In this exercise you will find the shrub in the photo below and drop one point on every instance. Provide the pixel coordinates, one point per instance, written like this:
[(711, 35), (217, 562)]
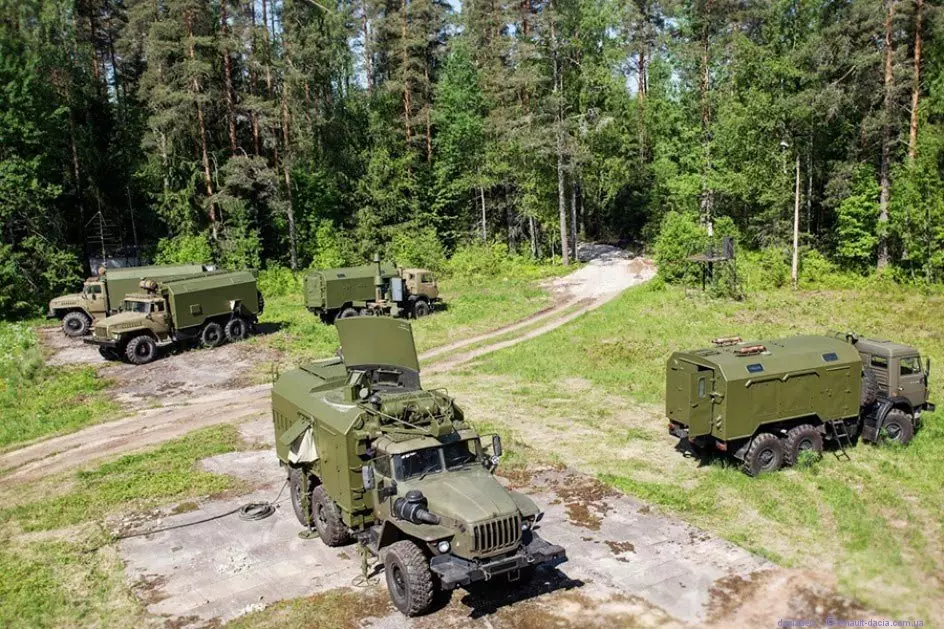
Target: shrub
[(330, 248), (680, 236), (417, 248), (278, 280), (184, 248)]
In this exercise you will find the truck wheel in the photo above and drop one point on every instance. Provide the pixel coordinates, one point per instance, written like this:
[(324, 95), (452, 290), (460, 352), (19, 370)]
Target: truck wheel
[(800, 438), (347, 312), (327, 518), (108, 353), (295, 486), (869, 391), (236, 329), (76, 324), (898, 427), (141, 350), (212, 334), (764, 455), (409, 579), (420, 308)]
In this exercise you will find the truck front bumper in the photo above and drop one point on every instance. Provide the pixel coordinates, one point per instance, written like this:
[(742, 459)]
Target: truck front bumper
[(678, 430), (929, 407), (454, 571), (101, 342)]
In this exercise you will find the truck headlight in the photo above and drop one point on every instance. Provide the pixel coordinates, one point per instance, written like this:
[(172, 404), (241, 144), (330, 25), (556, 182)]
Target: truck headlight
[(443, 547), (526, 525)]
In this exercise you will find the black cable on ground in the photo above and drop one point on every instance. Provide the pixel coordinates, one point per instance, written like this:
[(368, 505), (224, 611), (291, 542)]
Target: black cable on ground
[(250, 512)]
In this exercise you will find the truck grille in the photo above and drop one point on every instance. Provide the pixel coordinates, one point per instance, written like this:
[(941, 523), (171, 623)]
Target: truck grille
[(100, 332), (497, 534)]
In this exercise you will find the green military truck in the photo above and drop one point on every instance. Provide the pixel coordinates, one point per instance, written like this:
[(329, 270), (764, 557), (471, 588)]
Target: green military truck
[(370, 289), (102, 295), (765, 402), (210, 308), (373, 457)]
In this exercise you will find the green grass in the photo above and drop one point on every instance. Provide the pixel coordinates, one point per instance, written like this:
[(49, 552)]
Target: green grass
[(51, 578), (37, 400), (472, 307), (876, 521)]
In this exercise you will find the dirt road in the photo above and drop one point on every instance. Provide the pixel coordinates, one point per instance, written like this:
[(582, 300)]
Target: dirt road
[(217, 372)]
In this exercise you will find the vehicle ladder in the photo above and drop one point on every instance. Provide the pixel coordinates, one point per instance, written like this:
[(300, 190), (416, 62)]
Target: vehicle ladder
[(839, 432)]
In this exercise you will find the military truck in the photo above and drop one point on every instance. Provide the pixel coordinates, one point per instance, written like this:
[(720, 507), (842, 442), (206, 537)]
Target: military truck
[(370, 289), (210, 308), (102, 295), (373, 457), (765, 402)]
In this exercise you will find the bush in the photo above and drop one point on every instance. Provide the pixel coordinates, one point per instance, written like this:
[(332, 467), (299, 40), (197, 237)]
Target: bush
[(817, 271), (417, 248), (481, 259), (184, 249), (680, 236), (330, 248), (278, 280)]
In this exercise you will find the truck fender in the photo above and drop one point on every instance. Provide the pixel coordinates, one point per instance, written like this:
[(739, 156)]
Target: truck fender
[(870, 433)]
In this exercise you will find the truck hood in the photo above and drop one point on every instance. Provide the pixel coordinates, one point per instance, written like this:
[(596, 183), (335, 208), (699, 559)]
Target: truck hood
[(122, 321), (66, 301), (471, 495)]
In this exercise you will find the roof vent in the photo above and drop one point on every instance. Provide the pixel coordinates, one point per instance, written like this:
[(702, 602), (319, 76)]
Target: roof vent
[(726, 340)]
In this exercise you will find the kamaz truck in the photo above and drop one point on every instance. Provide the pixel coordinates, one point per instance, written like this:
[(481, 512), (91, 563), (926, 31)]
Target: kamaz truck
[(373, 457), (102, 295), (210, 308), (370, 289), (765, 402)]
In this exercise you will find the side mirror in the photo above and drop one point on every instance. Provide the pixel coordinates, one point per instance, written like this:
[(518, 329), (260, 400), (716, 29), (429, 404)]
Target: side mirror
[(927, 366), (367, 474), (496, 445)]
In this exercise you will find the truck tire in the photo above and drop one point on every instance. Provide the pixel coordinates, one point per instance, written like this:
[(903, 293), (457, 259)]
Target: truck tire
[(800, 438), (327, 518), (295, 487), (898, 427), (869, 388), (764, 455), (409, 579), (76, 324), (211, 335), (141, 350), (347, 312), (236, 329), (420, 308)]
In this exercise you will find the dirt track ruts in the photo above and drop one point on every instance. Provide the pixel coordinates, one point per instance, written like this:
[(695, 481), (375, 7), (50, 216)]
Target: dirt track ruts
[(157, 425)]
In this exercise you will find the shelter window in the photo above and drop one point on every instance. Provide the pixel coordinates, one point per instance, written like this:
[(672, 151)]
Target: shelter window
[(831, 357), (755, 368), (342, 275), (910, 366), (879, 361), (702, 388)]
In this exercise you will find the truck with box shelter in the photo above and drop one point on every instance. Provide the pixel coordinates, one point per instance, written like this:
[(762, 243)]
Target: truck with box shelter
[(102, 295), (210, 308), (370, 289), (373, 457), (765, 402)]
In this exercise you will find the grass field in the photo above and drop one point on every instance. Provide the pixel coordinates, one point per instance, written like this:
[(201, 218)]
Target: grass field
[(877, 522), (56, 568)]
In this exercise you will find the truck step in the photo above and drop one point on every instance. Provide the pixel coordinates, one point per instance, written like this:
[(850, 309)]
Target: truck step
[(840, 433)]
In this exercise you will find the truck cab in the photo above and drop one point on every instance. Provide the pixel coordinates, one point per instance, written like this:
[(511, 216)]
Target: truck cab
[(421, 282), (899, 372)]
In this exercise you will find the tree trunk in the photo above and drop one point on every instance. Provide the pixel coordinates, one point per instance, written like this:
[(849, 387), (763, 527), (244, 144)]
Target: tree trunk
[(707, 194), (642, 80), (228, 78), (253, 115), (795, 266), (915, 86), (573, 215), (368, 50), (561, 188), (429, 123), (201, 126), (286, 172), (407, 105), (484, 215), (884, 182), (533, 232)]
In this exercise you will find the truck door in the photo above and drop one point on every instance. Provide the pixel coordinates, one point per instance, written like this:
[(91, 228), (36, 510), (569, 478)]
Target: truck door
[(428, 285), (912, 383), (702, 384)]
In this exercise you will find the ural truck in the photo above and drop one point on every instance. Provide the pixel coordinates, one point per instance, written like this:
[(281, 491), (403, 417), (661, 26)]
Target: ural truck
[(210, 309), (765, 402), (102, 295), (373, 457), (370, 289)]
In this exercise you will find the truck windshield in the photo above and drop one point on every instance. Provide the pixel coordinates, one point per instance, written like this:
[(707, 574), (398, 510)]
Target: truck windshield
[(136, 306), (434, 460)]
